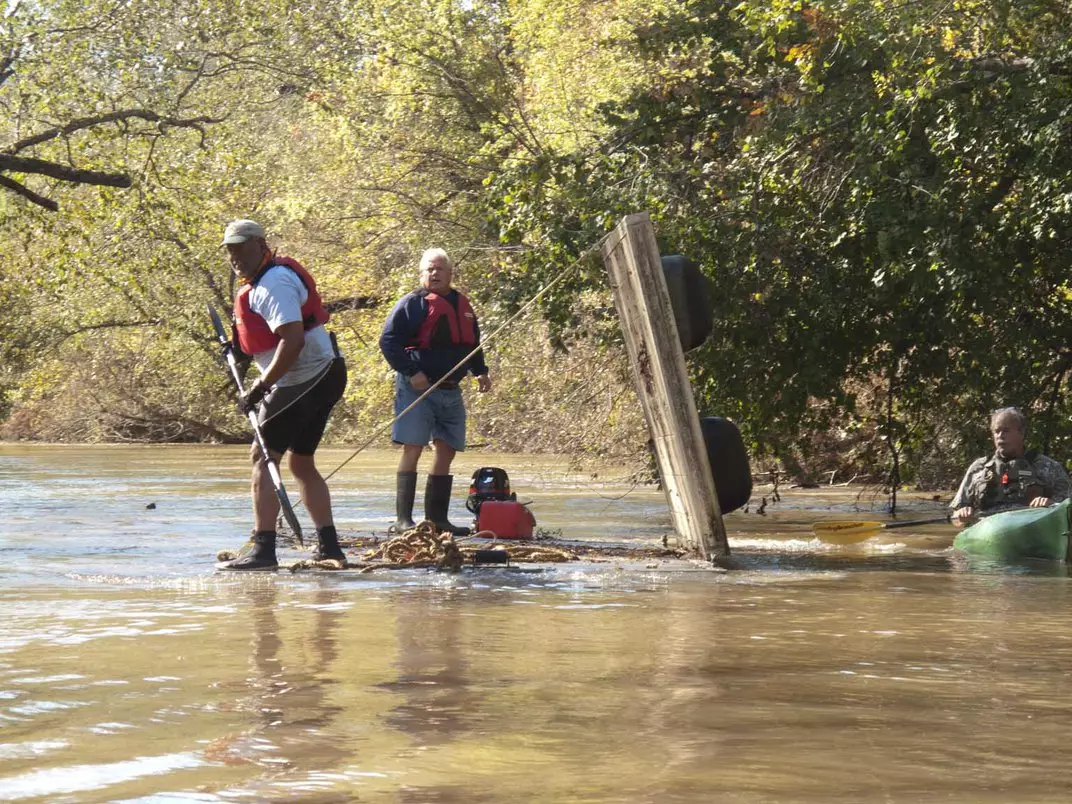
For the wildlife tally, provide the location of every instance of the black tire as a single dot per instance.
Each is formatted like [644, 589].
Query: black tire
[690, 298]
[729, 462]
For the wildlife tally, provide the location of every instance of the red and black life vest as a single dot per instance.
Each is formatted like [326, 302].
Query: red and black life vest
[444, 325]
[254, 334]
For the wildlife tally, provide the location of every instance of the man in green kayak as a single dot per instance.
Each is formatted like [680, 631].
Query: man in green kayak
[1012, 477]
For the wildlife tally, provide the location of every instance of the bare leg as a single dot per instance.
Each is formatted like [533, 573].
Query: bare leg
[411, 454]
[444, 456]
[265, 502]
[313, 488]
[265, 510]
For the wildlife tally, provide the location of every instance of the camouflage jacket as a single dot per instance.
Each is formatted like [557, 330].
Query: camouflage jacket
[983, 489]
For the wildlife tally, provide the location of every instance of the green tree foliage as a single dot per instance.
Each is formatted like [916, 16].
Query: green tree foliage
[145, 92]
[879, 192]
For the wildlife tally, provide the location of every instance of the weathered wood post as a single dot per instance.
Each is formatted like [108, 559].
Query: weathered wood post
[631, 255]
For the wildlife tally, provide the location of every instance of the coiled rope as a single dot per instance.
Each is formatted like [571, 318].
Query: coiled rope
[423, 547]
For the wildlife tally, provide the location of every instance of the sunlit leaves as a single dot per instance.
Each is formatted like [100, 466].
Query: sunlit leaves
[879, 191]
[875, 192]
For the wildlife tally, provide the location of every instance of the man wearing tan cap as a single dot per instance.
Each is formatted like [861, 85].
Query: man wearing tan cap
[279, 321]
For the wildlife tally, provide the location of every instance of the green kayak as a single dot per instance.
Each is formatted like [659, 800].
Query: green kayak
[1024, 533]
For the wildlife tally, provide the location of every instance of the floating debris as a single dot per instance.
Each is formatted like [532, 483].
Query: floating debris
[422, 547]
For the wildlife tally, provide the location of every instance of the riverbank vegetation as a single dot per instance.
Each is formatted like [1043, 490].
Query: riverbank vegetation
[880, 193]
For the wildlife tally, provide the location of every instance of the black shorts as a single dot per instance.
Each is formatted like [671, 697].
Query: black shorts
[294, 417]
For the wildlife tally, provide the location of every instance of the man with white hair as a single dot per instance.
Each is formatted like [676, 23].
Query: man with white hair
[279, 321]
[1013, 477]
[426, 337]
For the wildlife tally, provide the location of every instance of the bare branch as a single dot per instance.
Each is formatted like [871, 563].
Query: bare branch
[6, 66]
[149, 322]
[96, 120]
[352, 303]
[27, 193]
[58, 171]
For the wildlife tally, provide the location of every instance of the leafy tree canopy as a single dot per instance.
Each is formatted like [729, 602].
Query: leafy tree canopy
[879, 193]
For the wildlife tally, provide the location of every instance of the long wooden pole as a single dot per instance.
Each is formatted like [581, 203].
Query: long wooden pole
[631, 256]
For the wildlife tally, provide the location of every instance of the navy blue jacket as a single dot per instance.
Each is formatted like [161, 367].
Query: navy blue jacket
[401, 328]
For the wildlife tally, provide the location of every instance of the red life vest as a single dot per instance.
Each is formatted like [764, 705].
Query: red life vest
[442, 319]
[254, 334]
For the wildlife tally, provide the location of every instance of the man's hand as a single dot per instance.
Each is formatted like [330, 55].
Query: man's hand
[963, 516]
[1039, 502]
[419, 381]
[234, 347]
[248, 402]
[483, 383]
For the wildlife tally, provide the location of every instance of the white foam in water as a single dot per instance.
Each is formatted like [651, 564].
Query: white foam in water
[781, 545]
[27, 750]
[74, 778]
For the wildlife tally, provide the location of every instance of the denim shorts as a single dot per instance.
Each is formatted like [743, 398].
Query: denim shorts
[439, 416]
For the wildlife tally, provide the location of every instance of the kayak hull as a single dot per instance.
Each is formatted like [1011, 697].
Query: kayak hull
[1040, 533]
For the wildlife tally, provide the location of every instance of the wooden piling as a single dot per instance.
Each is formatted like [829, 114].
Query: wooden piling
[631, 256]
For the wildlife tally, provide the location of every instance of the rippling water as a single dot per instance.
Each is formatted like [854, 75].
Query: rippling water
[131, 672]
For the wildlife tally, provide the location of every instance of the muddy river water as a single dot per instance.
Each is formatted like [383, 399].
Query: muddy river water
[130, 671]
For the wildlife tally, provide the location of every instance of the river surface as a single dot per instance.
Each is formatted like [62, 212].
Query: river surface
[130, 671]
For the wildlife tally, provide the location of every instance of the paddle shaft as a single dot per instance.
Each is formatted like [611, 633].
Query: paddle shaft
[258, 437]
[931, 521]
[906, 524]
[947, 518]
[850, 531]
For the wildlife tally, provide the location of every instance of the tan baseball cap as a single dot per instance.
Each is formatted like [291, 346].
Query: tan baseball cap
[240, 231]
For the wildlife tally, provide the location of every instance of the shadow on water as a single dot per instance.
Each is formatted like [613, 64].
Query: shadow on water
[945, 561]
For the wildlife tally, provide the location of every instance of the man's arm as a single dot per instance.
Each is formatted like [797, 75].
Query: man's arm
[963, 505]
[962, 497]
[291, 342]
[1059, 485]
[477, 366]
[401, 325]
[280, 306]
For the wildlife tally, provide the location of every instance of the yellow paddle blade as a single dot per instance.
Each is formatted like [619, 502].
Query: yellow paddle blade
[846, 531]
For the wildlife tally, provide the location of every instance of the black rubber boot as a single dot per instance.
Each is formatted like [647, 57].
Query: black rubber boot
[328, 545]
[405, 491]
[436, 503]
[262, 557]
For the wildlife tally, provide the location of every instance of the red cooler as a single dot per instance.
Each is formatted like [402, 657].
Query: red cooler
[506, 519]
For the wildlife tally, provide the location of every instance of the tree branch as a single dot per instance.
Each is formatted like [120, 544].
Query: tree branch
[352, 303]
[27, 193]
[58, 171]
[151, 322]
[6, 68]
[95, 120]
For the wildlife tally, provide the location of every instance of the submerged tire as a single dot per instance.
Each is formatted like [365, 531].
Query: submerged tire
[729, 462]
[690, 298]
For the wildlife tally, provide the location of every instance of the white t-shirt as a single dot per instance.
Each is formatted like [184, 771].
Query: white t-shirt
[278, 298]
